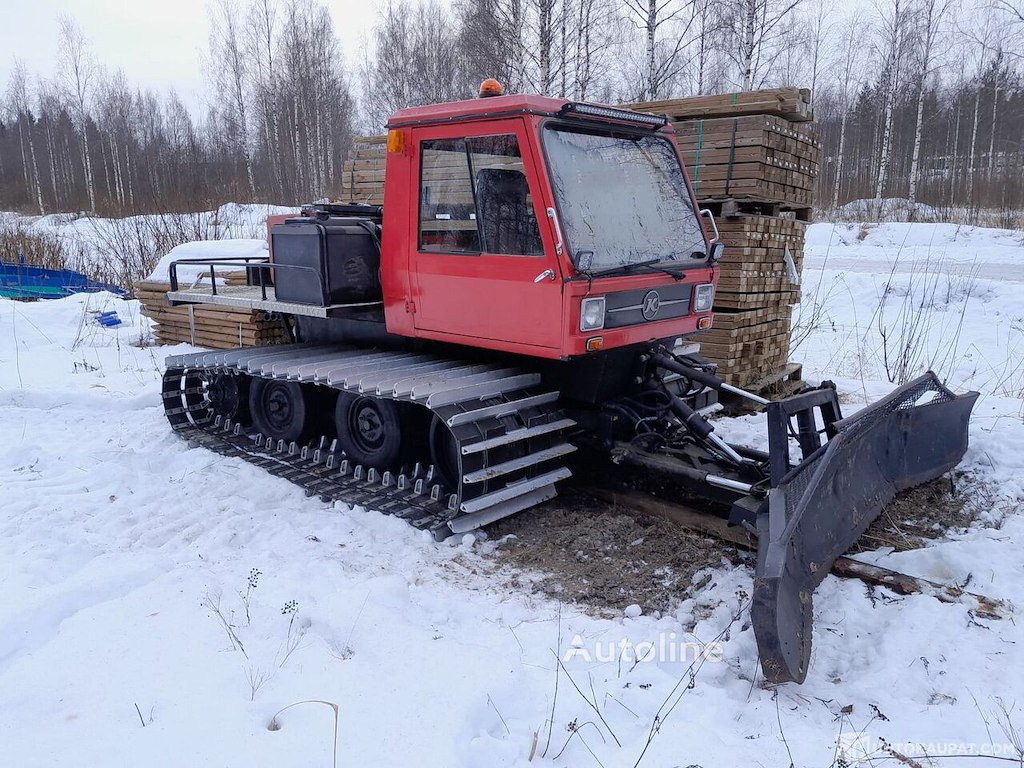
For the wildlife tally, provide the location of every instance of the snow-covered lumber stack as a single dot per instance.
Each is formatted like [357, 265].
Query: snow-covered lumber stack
[205, 325]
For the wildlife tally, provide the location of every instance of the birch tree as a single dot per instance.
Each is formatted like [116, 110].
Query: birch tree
[931, 15]
[755, 36]
[848, 84]
[230, 71]
[78, 71]
[894, 32]
[19, 104]
[662, 63]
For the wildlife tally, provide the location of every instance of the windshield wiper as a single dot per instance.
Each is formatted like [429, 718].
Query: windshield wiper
[649, 264]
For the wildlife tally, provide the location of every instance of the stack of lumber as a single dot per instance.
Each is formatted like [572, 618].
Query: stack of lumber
[762, 158]
[206, 325]
[362, 179]
[753, 159]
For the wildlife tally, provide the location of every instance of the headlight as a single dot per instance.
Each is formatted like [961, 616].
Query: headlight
[592, 314]
[703, 297]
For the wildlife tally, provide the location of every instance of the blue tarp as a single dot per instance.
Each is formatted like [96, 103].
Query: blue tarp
[23, 281]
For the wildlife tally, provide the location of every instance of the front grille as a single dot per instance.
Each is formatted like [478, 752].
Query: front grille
[627, 307]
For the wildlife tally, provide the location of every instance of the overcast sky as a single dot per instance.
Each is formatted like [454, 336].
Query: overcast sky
[158, 43]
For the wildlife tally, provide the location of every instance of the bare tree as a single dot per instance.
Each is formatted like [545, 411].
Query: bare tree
[492, 40]
[848, 84]
[229, 68]
[931, 14]
[18, 102]
[416, 60]
[661, 62]
[78, 72]
[755, 36]
[261, 23]
[895, 32]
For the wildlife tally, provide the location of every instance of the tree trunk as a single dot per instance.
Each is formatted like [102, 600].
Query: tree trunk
[974, 143]
[839, 159]
[991, 143]
[749, 43]
[915, 159]
[652, 68]
[35, 173]
[87, 162]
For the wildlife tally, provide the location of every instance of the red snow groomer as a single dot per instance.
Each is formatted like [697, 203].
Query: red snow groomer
[524, 291]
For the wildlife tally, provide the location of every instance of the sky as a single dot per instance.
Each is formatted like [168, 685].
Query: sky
[158, 43]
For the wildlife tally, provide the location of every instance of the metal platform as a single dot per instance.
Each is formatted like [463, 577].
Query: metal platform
[252, 297]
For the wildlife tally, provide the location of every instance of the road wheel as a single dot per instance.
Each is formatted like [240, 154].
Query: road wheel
[278, 410]
[369, 430]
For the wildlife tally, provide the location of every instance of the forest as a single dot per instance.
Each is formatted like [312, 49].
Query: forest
[916, 100]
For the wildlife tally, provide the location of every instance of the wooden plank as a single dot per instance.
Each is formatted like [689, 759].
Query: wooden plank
[843, 567]
[790, 103]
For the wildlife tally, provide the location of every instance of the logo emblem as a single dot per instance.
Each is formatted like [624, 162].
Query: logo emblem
[651, 305]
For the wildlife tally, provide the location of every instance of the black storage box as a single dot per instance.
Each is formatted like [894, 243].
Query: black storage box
[339, 260]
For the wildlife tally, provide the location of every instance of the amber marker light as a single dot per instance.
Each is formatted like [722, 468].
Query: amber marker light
[704, 323]
[595, 343]
[396, 142]
[491, 87]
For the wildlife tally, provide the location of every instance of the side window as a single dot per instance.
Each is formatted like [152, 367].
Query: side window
[447, 208]
[505, 212]
[474, 197]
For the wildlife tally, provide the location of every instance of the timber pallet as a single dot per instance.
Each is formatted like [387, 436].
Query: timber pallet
[778, 384]
[727, 207]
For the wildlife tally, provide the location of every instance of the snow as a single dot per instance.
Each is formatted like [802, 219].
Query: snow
[249, 248]
[117, 541]
[93, 240]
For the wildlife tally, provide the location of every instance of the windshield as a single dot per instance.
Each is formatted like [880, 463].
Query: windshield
[623, 199]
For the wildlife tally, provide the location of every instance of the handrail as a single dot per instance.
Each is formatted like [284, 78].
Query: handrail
[259, 263]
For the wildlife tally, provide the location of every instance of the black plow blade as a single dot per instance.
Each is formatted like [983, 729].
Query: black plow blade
[819, 509]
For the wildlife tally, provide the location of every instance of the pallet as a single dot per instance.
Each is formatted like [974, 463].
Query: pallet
[726, 207]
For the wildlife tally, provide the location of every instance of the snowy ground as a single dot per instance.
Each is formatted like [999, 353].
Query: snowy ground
[121, 548]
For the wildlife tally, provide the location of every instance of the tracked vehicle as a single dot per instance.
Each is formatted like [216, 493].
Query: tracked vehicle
[529, 287]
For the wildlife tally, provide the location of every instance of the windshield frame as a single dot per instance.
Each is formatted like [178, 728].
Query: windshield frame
[601, 127]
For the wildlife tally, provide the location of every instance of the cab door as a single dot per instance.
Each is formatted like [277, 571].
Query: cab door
[484, 268]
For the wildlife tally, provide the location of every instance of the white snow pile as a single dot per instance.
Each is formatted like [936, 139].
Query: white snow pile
[165, 606]
[248, 248]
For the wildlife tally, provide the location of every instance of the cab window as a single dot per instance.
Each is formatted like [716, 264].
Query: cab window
[474, 197]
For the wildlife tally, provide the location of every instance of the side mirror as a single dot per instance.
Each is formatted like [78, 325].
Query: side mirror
[717, 251]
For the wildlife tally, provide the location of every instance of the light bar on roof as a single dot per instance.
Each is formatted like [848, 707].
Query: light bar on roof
[593, 110]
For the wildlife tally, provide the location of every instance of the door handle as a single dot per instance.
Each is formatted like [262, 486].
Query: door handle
[547, 274]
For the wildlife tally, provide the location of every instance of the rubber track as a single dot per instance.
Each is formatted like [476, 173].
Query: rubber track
[488, 408]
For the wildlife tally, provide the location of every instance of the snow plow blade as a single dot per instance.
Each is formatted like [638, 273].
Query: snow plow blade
[818, 509]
